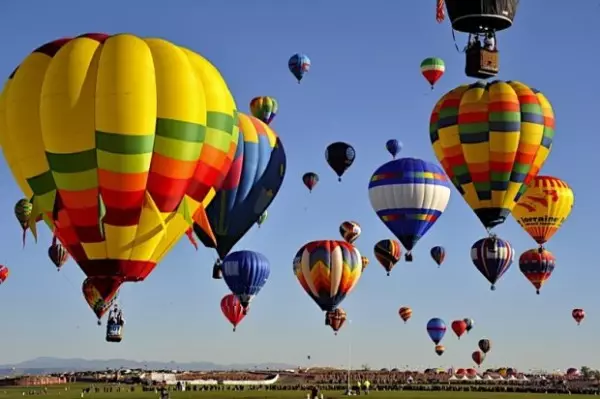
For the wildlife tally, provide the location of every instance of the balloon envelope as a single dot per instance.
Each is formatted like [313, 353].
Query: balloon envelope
[246, 273]
[492, 256]
[436, 328]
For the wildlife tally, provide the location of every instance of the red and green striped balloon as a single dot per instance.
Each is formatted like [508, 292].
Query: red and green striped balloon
[432, 69]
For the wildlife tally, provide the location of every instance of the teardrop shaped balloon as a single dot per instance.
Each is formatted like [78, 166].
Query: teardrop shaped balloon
[440, 349]
[436, 328]
[365, 262]
[310, 180]
[578, 315]
[336, 319]
[492, 256]
[262, 218]
[264, 108]
[394, 147]
[470, 324]
[328, 271]
[340, 156]
[537, 266]
[246, 273]
[438, 254]
[387, 253]
[544, 207]
[299, 65]
[232, 310]
[409, 195]
[4, 273]
[23, 209]
[100, 293]
[485, 345]
[58, 254]
[433, 69]
[478, 357]
[459, 327]
[405, 313]
[492, 139]
[350, 231]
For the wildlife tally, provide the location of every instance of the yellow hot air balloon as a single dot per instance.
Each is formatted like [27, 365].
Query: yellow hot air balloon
[544, 207]
[119, 141]
[492, 139]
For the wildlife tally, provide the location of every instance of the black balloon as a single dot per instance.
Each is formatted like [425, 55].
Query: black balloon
[340, 157]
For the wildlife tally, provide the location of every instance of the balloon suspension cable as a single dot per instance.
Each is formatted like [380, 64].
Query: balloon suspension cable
[456, 44]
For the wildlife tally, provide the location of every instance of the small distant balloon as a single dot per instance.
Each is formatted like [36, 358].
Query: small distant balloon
[433, 69]
[310, 180]
[438, 254]
[350, 231]
[394, 147]
[299, 65]
[405, 313]
[264, 108]
[340, 156]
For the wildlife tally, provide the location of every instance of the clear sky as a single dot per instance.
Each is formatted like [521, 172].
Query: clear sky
[364, 88]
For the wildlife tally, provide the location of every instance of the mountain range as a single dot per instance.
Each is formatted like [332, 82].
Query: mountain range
[44, 365]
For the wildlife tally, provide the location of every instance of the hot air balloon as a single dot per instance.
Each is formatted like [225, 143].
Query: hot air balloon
[537, 266]
[350, 231]
[436, 328]
[262, 218]
[438, 254]
[388, 253]
[394, 147]
[492, 256]
[409, 195]
[432, 69]
[108, 137]
[245, 273]
[23, 210]
[440, 349]
[310, 180]
[459, 327]
[485, 345]
[470, 324]
[578, 315]
[478, 357]
[264, 108]
[545, 205]
[58, 254]
[299, 64]
[340, 157]
[232, 310]
[365, 262]
[100, 293]
[4, 273]
[336, 319]
[328, 271]
[405, 313]
[248, 190]
[491, 163]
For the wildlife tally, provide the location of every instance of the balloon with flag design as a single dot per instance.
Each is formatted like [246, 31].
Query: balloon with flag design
[492, 256]
[107, 137]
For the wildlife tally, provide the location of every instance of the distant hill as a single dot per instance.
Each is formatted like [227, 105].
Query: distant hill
[43, 365]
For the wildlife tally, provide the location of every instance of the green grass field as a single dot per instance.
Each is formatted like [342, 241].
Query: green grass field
[75, 393]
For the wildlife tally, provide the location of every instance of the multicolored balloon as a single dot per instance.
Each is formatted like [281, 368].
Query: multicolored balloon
[58, 254]
[438, 254]
[492, 256]
[409, 195]
[492, 139]
[264, 108]
[485, 345]
[470, 324]
[100, 293]
[478, 357]
[336, 319]
[131, 166]
[537, 266]
[328, 271]
[578, 314]
[394, 147]
[433, 69]
[440, 349]
[310, 180]
[388, 253]
[405, 313]
[246, 273]
[299, 65]
[23, 209]
[543, 208]
[340, 156]
[459, 327]
[436, 328]
[365, 262]
[4, 273]
[350, 231]
[249, 188]
[232, 310]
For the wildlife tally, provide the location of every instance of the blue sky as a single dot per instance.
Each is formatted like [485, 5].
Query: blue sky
[364, 88]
